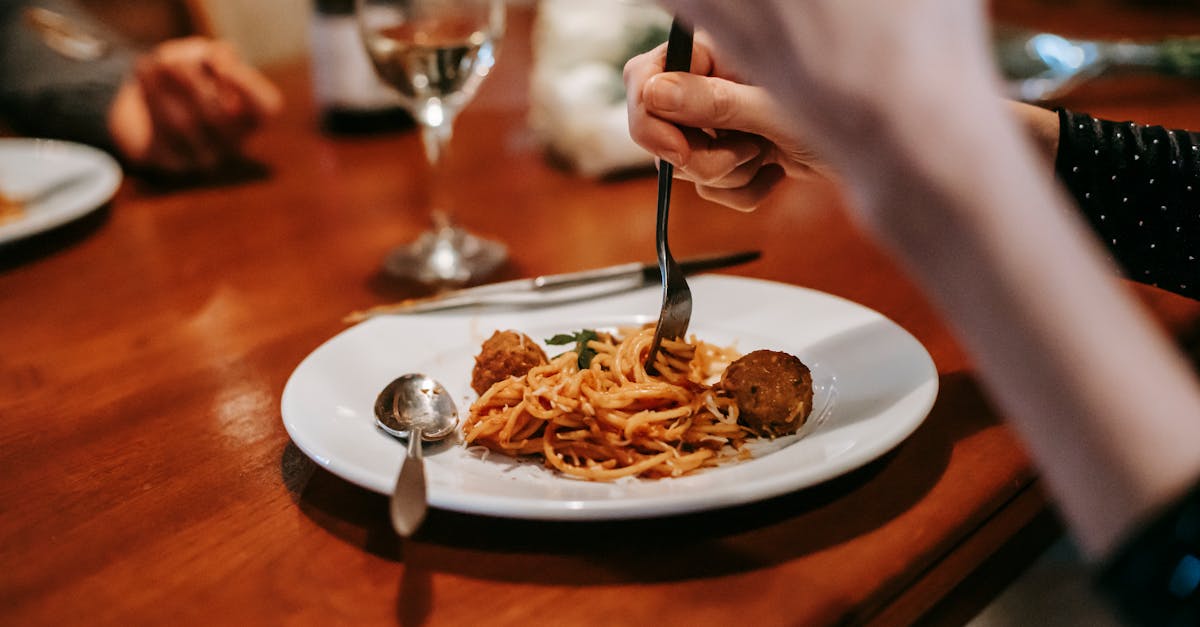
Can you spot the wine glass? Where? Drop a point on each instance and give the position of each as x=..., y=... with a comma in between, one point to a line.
x=435, y=53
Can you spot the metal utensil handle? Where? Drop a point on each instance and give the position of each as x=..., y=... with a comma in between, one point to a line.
x=408, y=503
x=679, y=59
x=679, y=48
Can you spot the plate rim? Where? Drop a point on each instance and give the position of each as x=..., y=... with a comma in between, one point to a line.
x=111, y=177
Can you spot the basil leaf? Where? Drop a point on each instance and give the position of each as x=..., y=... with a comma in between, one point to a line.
x=580, y=340
x=585, y=354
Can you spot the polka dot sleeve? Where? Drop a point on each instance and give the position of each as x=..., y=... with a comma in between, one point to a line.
x=1139, y=188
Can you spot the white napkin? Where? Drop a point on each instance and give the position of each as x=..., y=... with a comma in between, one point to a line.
x=577, y=98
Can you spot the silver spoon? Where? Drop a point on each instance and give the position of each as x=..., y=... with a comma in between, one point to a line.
x=417, y=408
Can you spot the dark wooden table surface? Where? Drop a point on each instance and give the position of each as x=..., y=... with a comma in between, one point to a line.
x=148, y=479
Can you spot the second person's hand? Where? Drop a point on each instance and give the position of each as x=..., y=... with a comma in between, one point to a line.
x=188, y=107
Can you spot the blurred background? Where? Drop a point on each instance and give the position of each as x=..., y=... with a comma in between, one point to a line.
x=579, y=46
x=271, y=31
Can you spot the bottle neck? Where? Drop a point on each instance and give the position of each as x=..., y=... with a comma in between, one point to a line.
x=334, y=7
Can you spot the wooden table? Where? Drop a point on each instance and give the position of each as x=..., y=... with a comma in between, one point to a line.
x=148, y=479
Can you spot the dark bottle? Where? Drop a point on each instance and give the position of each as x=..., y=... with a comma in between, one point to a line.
x=350, y=97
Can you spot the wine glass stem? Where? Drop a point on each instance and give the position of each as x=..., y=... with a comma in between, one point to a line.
x=437, y=128
x=437, y=141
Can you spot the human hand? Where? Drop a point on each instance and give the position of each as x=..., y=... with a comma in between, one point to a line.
x=189, y=106
x=863, y=82
x=747, y=146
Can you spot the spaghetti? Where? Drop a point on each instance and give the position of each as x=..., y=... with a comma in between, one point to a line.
x=612, y=418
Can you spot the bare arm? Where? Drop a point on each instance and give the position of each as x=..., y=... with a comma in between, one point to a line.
x=1103, y=400
x=1042, y=126
x=901, y=100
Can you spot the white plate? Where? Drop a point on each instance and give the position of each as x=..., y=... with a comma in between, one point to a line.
x=80, y=179
x=873, y=383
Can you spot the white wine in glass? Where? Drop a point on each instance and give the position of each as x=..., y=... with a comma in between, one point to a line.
x=435, y=53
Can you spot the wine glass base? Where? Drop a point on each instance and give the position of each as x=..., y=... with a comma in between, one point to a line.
x=446, y=256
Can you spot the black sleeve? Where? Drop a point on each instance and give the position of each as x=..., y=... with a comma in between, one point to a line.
x=1139, y=188
x=1154, y=577
x=46, y=94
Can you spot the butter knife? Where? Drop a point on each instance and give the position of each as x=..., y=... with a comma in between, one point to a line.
x=64, y=36
x=550, y=289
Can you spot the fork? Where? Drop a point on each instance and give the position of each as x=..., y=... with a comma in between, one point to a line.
x=677, y=296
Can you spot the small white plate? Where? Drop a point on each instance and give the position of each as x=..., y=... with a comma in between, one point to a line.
x=873, y=384
x=65, y=181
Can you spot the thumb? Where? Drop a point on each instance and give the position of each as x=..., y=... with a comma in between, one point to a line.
x=710, y=102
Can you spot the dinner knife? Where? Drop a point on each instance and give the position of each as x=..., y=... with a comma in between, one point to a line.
x=555, y=288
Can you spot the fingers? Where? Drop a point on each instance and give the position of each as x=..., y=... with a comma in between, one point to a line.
x=202, y=101
x=651, y=132
x=720, y=159
x=179, y=113
x=243, y=85
x=651, y=101
x=749, y=196
x=658, y=101
x=676, y=116
x=710, y=102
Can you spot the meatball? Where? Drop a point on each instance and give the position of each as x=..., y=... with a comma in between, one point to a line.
x=505, y=354
x=773, y=391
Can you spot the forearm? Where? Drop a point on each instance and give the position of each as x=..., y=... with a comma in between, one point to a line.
x=1041, y=125
x=1079, y=369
